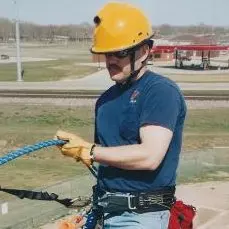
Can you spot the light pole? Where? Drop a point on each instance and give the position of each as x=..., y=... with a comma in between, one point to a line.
x=19, y=71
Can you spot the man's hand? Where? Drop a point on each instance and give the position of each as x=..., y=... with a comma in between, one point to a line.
x=76, y=222
x=76, y=147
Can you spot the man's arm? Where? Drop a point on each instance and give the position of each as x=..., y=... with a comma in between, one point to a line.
x=148, y=155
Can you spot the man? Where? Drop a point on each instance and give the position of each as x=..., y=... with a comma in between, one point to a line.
x=138, y=126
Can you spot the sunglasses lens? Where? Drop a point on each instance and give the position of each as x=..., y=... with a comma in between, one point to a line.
x=120, y=54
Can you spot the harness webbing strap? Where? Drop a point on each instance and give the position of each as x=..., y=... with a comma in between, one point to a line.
x=32, y=195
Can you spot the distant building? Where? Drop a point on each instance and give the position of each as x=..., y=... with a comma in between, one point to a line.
x=185, y=39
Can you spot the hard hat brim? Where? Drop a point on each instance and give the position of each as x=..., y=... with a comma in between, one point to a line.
x=145, y=41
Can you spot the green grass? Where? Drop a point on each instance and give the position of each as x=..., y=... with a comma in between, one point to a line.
x=206, y=128
x=23, y=125
x=204, y=165
x=218, y=93
x=46, y=70
x=207, y=120
x=200, y=78
x=18, y=122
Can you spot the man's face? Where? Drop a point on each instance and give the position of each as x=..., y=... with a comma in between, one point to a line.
x=119, y=66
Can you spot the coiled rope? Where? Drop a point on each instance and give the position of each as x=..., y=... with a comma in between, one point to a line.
x=28, y=149
x=31, y=148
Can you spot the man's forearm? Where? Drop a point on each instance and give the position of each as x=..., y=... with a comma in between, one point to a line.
x=130, y=157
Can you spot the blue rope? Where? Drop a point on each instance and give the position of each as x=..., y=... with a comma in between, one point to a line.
x=28, y=149
x=91, y=220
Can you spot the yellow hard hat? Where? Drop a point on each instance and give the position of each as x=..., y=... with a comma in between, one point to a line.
x=119, y=26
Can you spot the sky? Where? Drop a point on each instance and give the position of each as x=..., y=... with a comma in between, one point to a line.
x=174, y=12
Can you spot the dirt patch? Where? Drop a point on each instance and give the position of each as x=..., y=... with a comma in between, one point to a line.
x=220, y=174
x=3, y=143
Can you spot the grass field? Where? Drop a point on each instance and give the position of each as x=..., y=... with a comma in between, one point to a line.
x=200, y=78
x=46, y=70
x=65, y=64
x=206, y=129
x=204, y=165
x=23, y=125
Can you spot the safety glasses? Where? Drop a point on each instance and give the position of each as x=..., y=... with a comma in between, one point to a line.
x=120, y=54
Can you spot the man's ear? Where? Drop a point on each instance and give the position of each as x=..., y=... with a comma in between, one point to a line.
x=144, y=51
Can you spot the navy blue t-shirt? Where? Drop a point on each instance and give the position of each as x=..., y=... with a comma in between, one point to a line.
x=121, y=111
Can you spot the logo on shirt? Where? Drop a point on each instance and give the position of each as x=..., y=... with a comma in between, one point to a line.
x=133, y=98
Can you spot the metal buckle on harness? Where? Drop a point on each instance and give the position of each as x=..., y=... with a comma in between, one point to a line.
x=111, y=202
x=129, y=202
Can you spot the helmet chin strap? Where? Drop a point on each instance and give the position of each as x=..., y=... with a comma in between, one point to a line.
x=134, y=73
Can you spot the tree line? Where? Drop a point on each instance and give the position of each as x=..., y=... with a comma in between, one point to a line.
x=34, y=32
x=83, y=31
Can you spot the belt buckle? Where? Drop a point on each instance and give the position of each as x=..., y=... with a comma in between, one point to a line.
x=129, y=202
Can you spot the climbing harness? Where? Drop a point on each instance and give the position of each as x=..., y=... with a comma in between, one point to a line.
x=91, y=215
x=158, y=200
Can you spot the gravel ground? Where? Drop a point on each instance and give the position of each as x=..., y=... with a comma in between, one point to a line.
x=192, y=104
x=207, y=104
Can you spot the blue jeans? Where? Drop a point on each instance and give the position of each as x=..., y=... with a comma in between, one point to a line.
x=133, y=220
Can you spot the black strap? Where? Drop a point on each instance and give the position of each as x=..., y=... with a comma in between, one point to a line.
x=32, y=195
x=134, y=73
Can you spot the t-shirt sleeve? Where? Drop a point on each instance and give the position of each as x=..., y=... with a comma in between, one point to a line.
x=161, y=107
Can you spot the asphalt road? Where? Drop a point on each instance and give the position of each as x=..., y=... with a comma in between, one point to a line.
x=97, y=81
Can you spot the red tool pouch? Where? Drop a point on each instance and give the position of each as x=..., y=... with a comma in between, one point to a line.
x=181, y=216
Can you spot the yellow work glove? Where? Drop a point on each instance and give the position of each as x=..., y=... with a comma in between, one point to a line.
x=76, y=147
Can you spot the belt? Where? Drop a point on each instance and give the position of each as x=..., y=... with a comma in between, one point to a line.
x=140, y=202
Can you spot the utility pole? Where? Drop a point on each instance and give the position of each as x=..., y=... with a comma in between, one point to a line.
x=19, y=69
